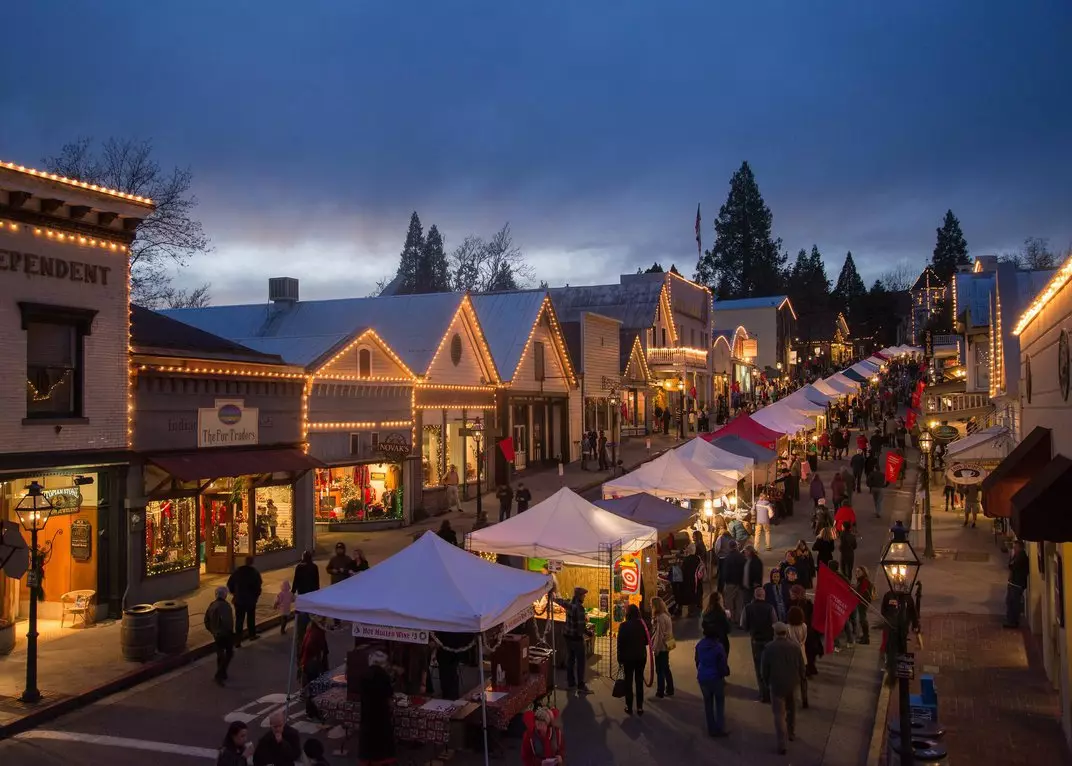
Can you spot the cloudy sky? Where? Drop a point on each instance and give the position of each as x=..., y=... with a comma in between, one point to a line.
x=315, y=128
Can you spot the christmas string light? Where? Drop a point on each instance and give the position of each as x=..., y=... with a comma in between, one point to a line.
x=45, y=175
x=38, y=396
x=70, y=239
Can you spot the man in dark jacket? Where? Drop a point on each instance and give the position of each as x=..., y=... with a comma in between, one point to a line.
x=876, y=483
x=633, y=656
x=341, y=566
x=847, y=548
x=574, y=631
x=523, y=497
x=876, y=444
x=759, y=619
x=1019, y=569
x=279, y=747
x=858, y=463
x=245, y=587
x=730, y=576
x=219, y=621
x=782, y=669
x=506, y=501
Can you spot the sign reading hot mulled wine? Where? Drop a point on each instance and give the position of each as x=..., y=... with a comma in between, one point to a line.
x=835, y=600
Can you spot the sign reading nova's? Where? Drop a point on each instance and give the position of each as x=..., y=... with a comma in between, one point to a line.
x=227, y=424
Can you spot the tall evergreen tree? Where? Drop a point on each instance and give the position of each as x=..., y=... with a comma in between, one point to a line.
x=950, y=249
x=410, y=262
x=655, y=268
x=808, y=286
x=850, y=291
x=745, y=259
x=433, y=273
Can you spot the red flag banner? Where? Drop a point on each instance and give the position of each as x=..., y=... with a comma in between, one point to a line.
x=920, y=385
x=507, y=447
x=910, y=419
x=834, y=602
x=915, y=399
x=893, y=466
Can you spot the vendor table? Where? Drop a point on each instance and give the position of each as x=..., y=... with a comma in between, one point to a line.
x=515, y=699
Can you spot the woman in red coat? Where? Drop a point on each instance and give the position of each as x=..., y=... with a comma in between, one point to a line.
x=543, y=744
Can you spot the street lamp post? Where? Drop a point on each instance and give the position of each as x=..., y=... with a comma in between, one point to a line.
x=926, y=446
x=478, y=435
x=33, y=511
x=901, y=567
x=615, y=430
x=681, y=388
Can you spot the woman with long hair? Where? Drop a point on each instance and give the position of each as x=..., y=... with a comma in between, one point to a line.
x=715, y=621
x=824, y=547
x=662, y=643
x=798, y=634
x=633, y=656
x=236, y=746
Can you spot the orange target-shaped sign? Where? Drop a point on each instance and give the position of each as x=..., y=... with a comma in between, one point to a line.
x=630, y=576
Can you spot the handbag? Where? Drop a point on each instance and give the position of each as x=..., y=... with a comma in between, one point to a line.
x=671, y=644
x=619, y=684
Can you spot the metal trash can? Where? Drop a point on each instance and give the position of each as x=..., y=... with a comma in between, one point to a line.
x=925, y=752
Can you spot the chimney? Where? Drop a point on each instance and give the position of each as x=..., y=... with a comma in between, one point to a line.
x=283, y=291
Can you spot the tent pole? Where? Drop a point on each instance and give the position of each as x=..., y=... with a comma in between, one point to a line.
x=290, y=672
x=554, y=653
x=483, y=696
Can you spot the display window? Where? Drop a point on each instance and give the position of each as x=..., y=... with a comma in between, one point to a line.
x=171, y=541
x=432, y=446
x=365, y=492
x=274, y=518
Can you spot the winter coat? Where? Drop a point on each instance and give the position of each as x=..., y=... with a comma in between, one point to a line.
x=633, y=642
x=816, y=490
x=245, y=584
x=711, y=662
x=306, y=578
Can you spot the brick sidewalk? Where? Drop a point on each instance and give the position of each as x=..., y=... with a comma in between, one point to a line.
x=993, y=697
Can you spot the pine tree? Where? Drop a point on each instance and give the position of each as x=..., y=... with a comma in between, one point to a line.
x=745, y=260
x=950, y=249
x=850, y=291
x=409, y=263
x=808, y=288
x=655, y=268
x=433, y=273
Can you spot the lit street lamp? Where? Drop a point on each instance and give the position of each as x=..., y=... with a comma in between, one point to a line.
x=901, y=567
x=926, y=446
x=681, y=388
x=33, y=511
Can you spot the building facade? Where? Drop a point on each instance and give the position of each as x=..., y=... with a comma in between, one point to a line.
x=770, y=324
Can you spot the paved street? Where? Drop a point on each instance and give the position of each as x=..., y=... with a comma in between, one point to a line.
x=180, y=718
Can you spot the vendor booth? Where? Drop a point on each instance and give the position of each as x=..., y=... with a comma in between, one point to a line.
x=715, y=458
x=672, y=476
x=406, y=604
x=586, y=546
x=746, y=427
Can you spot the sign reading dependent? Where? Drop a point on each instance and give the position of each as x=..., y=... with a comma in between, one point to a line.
x=228, y=424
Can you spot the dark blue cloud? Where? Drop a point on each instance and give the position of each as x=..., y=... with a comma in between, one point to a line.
x=594, y=128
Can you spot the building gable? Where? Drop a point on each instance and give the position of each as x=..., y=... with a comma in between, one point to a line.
x=463, y=357
x=636, y=367
x=367, y=356
x=558, y=371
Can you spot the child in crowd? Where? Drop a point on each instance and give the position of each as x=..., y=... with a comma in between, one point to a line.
x=283, y=602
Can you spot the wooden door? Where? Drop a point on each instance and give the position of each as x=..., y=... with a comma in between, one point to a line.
x=219, y=534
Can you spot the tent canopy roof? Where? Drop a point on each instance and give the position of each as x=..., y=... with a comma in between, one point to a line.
x=671, y=475
x=744, y=426
x=782, y=417
x=991, y=443
x=566, y=527
x=741, y=446
x=652, y=511
x=709, y=456
x=459, y=592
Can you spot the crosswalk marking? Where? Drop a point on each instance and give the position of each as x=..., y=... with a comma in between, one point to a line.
x=122, y=742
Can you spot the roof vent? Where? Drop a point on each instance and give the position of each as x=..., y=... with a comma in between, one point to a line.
x=283, y=290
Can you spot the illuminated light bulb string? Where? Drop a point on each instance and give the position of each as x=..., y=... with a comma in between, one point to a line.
x=69, y=239
x=43, y=396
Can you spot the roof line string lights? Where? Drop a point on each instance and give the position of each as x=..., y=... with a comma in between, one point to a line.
x=1054, y=286
x=64, y=237
x=361, y=339
x=556, y=337
x=46, y=176
x=488, y=362
x=222, y=371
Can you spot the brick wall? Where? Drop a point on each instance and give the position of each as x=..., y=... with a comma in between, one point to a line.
x=105, y=352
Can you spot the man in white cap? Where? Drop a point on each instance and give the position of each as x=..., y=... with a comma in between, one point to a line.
x=782, y=668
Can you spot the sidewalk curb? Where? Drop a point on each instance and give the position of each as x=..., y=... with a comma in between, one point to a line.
x=878, y=729
x=49, y=712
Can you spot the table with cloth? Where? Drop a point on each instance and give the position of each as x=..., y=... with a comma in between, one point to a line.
x=517, y=699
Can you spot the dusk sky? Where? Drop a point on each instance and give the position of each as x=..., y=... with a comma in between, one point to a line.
x=313, y=129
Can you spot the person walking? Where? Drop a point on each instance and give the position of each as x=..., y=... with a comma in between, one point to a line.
x=794, y=474
x=712, y=668
x=865, y=589
x=782, y=668
x=313, y=662
x=798, y=634
x=823, y=547
x=601, y=447
x=576, y=626
x=451, y=481
x=971, y=504
x=306, y=579
x=759, y=619
x=847, y=549
x=523, y=497
x=633, y=656
x=341, y=566
x=236, y=747
x=950, y=493
x=506, y=501
x=764, y=511
x=245, y=586
x=219, y=622
x=662, y=643
x=715, y=621
x=838, y=489
x=857, y=465
x=730, y=579
x=1019, y=569
x=817, y=491
x=876, y=484
x=283, y=602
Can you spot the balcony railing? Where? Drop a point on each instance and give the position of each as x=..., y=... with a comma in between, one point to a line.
x=695, y=357
x=952, y=404
x=946, y=339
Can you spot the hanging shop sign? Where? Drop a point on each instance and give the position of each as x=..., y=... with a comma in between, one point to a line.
x=229, y=423
x=966, y=473
x=58, y=268
x=384, y=633
x=749, y=348
x=65, y=500
x=945, y=433
x=81, y=540
x=525, y=614
x=394, y=446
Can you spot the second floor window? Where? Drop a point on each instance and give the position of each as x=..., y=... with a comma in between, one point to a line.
x=538, y=360
x=364, y=363
x=53, y=370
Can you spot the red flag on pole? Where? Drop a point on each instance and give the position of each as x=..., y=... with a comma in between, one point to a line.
x=915, y=399
x=507, y=447
x=910, y=419
x=699, y=249
x=893, y=466
x=834, y=602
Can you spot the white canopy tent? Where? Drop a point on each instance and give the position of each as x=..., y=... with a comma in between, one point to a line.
x=670, y=476
x=825, y=388
x=875, y=360
x=799, y=401
x=816, y=395
x=989, y=444
x=565, y=527
x=840, y=382
x=715, y=458
x=865, y=369
x=783, y=418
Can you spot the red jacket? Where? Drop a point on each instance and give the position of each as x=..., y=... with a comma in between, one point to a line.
x=535, y=747
x=861, y=442
x=844, y=513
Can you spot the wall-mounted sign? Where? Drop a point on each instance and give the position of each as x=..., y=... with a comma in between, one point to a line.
x=384, y=633
x=966, y=473
x=394, y=446
x=65, y=500
x=945, y=433
x=228, y=424
x=81, y=540
x=58, y=268
x=749, y=348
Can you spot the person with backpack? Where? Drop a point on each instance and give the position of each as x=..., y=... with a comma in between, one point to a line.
x=712, y=668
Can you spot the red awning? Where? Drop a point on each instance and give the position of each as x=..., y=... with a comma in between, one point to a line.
x=1017, y=469
x=217, y=463
x=1040, y=508
x=747, y=428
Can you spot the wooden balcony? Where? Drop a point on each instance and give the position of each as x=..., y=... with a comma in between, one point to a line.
x=677, y=357
x=962, y=406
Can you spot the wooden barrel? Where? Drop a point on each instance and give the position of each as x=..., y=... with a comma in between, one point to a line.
x=172, y=626
x=138, y=634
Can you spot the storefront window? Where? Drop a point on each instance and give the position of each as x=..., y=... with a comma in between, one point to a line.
x=432, y=445
x=359, y=493
x=274, y=509
x=170, y=535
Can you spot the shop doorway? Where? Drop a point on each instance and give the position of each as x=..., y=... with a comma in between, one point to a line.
x=539, y=431
x=520, y=447
x=224, y=531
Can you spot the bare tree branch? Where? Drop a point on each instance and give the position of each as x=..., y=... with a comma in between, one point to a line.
x=899, y=278
x=167, y=238
x=186, y=299
x=491, y=265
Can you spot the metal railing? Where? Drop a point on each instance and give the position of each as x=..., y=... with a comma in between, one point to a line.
x=953, y=403
x=678, y=356
x=946, y=339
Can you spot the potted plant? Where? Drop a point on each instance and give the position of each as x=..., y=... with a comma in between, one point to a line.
x=7, y=636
